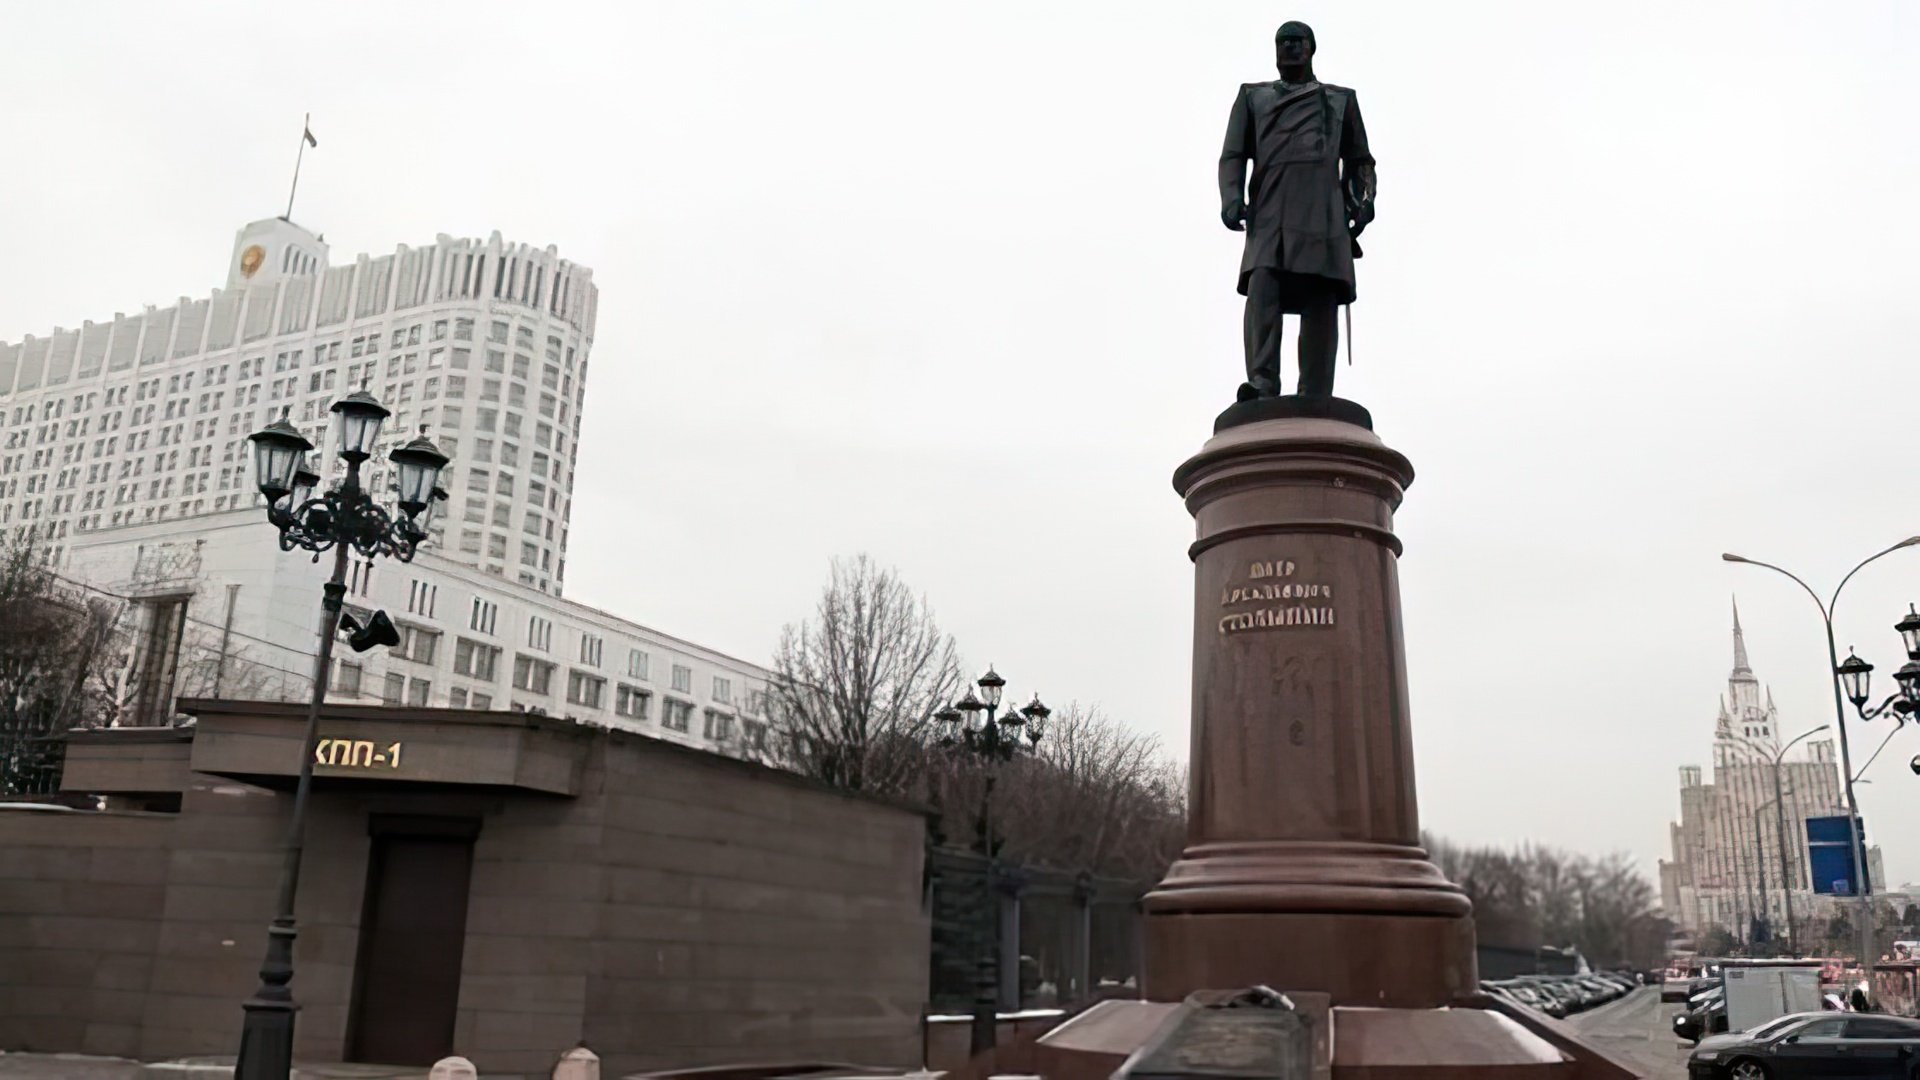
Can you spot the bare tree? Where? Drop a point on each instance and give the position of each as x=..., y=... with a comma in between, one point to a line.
x=1537, y=895
x=205, y=663
x=48, y=637
x=1096, y=796
x=1093, y=796
x=856, y=686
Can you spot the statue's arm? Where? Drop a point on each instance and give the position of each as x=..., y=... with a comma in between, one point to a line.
x=1356, y=168
x=1234, y=155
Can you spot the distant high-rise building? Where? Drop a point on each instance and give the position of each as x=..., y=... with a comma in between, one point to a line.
x=481, y=343
x=1726, y=864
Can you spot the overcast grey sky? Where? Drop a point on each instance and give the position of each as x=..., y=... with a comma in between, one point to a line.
x=946, y=283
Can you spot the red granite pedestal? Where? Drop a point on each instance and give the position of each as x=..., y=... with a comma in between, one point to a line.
x=1302, y=870
x=1303, y=865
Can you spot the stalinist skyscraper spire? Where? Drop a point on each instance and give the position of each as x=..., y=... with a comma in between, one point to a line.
x=1725, y=868
x=1740, y=665
x=1747, y=716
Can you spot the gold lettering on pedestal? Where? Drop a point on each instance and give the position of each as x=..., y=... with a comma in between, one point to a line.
x=1235, y=594
x=1317, y=610
x=1276, y=568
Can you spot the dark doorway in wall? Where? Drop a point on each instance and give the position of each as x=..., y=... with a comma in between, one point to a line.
x=413, y=931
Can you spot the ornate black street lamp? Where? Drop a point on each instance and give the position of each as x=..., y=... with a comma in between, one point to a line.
x=972, y=726
x=344, y=519
x=1851, y=680
x=1856, y=677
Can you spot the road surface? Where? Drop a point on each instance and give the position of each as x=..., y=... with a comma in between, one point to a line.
x=1637, y=1030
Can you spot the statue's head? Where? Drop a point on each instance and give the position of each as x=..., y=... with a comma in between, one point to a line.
x=1293, y=46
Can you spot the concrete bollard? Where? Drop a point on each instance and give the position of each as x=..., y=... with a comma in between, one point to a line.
x=453, y=1068
x=578, y=1063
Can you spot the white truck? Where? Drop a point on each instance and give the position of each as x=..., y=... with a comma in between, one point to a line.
x=1759, y=992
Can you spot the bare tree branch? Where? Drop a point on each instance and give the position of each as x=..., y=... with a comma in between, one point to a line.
x=1538, y=895
x=857, y=685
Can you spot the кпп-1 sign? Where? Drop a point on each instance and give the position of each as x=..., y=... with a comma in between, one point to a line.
x=356, y=754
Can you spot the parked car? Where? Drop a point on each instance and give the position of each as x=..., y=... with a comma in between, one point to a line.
x=1806, y=1045
x=1684, y=988
x=1608, y=989
x=1538, y=998
x=1563, y=995
x=1522, y=994
x=1708, y=1016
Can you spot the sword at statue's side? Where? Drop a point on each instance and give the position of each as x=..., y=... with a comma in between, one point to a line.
x=1359, y=198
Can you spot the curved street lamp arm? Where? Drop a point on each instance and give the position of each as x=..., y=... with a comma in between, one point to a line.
x=1876, y=753
x=1908, y=542
x=1856, y=852
x=1781, y=756
x=1894, y=699
x=1825, y=613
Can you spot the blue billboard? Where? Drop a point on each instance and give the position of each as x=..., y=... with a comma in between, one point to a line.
x=1829, y=858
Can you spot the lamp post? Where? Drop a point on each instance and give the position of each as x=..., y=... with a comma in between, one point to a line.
x=345, y=519
x=972, y=726
x=1780, y=826
x=1840, y=676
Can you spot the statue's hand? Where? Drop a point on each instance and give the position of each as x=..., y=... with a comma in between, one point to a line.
x=1234, y=215
x=1359, y=217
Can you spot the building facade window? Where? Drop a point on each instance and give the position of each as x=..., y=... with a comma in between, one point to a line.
x=395, y=689
x=532, y=675
x=162, y=622
x=359, y=575
x=590, y=649
x=475, y=659
x=585, y=689
x=421, y=596
x=675, y=715
x=723, y=690
x=636, y=664
x=539, y=633
x=485, y=612
x=719, y=726
x=753, y=736
x=631, y=701
x=416, y=644
x=683, y=679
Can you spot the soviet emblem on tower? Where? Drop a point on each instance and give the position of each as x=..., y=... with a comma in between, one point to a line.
x=251, y=259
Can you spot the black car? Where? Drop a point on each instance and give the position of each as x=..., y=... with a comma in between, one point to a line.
x=1535, y=998
x=1806, y=1045
x=1707, y=1016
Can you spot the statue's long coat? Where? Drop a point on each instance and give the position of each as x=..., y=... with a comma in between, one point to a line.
x=1299, y=139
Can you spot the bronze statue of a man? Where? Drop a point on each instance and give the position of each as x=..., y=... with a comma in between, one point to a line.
x=1313, y=187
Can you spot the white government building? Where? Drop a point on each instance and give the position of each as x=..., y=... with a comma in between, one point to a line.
x=123, y=449
x=1726, y=864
